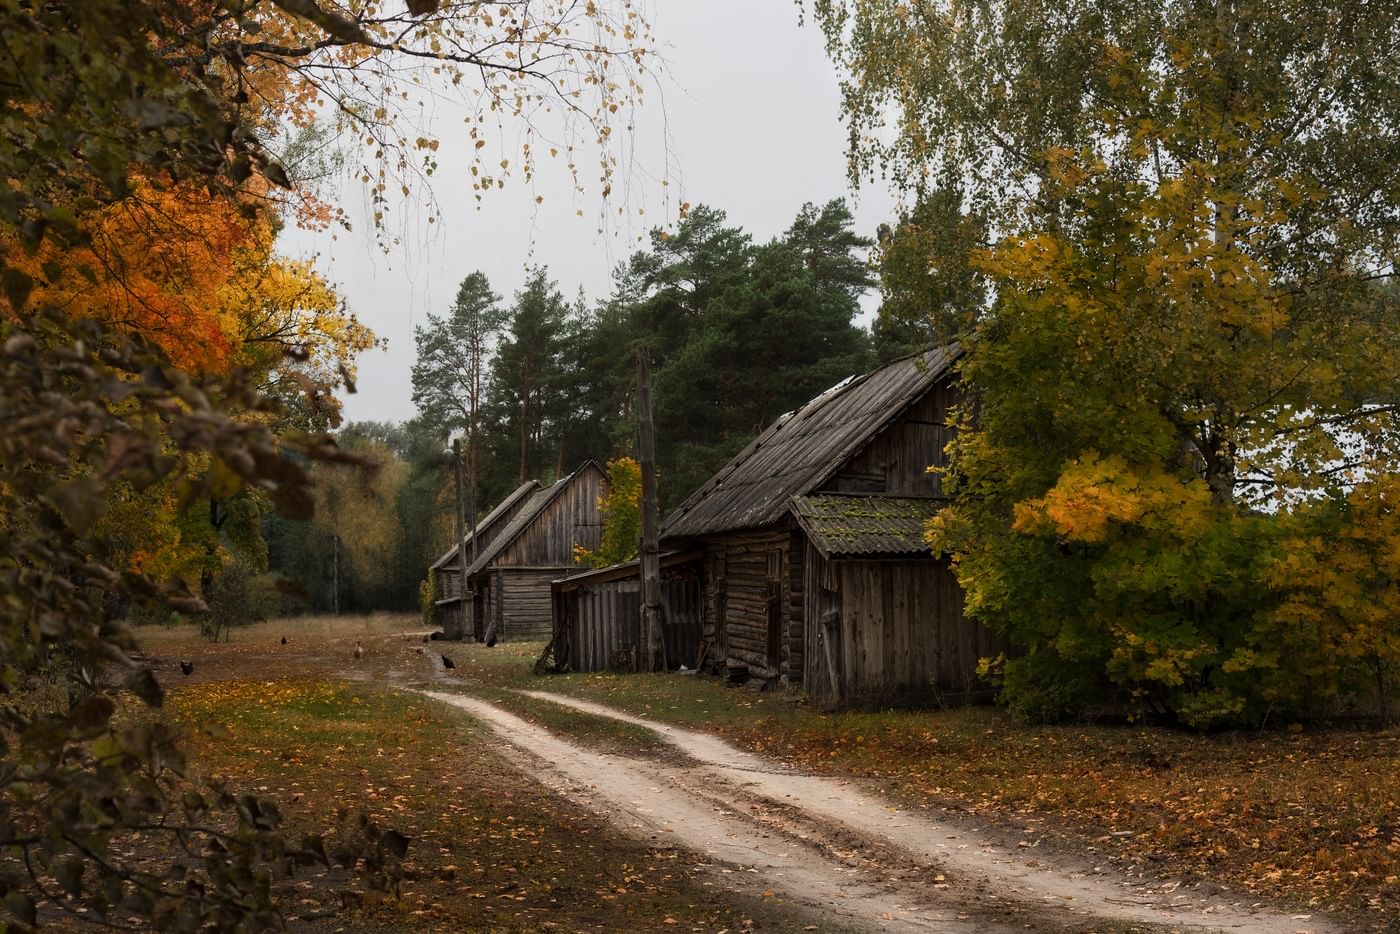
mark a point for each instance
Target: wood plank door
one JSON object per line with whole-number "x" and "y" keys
{"x": 774, "y": 588}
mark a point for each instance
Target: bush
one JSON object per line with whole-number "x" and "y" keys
{"x": 1045, "y": 688}
{"x": 427, "y": 602}
{"x": 241, "y": 595}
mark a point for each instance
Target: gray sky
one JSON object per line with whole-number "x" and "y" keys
{"x": 750, "y": 105}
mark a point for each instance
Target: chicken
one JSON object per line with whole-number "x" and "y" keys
{"x": 448, "y": 663}
{"x": 187, "y": 667}
{"x": 359, "y": 650}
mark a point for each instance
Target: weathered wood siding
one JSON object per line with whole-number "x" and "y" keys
{"x": 450, "y": 616}
{"x": 896, "y": 461}
{"x": 902, "y": 633}
{"x": 823, "y": 674}
{"x": 449, "y": 583}
{"x": 570, "y": 519}
{"x": 750, "y": 576}
{"x": 605, "y": 622}
{"x": 525, "y": 612}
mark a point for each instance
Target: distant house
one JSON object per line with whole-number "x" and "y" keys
{"x": 809, "y": 546}
{"x": 512, "y": 572}
{"x": 448, "y": 569}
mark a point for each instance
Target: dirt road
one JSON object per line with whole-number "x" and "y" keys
{"x": 829, "y": 846}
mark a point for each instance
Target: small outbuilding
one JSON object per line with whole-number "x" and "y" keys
{"x": 511, "y": 575}
{"x": 448, "y": 569}
{"x": 598, "y": 615}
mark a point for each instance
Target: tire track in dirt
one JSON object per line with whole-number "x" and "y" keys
{"x": 669, "y": 805}
{"x": 816, "y": 807}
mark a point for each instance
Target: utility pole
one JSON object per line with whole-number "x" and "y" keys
{"x": 453, "y": 629}
{"x": 654, "y": 654}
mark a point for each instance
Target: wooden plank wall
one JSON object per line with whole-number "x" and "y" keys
{"x": 822, "y": 659}
{"x": 570, "y": 519}
{"x": 449, "y": 583}
{"x": 606, "y": 618}
{"x": 896, "y": 461}
{"x": 525, "y": 602}
{"x": 904, "y": 633}
{"x": 452, "y": 617}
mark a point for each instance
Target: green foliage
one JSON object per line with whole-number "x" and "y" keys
{"x": 241, "y": 595}
{"x": 529, "y": 381}
{"x": 1186, "y": 352}
{"x": 932, "y": 292}
{"x": 87, "y": 410}
{"x": 427, "y": 601}
{"x": 621, "y": 511}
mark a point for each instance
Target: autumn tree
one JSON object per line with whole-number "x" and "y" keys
{"x": 139, "y": 139}
{"x": 621, "y": 512}
{"x": 1189, "y": 210}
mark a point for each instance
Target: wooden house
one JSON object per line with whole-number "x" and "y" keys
{"x": 448, "y": 569}
{"x": 512, "y": 573}
{"x": 813, "y": 565}
{"x": 597, "y": 615}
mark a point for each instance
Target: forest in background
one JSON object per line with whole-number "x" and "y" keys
{"x": 739, "y": 333}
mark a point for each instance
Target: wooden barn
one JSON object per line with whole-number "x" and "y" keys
{"x": 813, "y": 567}
{"x": 511, "y": 575}
{"x": 448, "y": 570}
{"x": 597, "y": 615}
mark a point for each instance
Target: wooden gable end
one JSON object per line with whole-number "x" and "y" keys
{"x": 570, "y": 518}
{"x": 896, "y": 460}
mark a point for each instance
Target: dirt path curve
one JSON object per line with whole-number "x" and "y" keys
{"x": 831, "y": 848}
{"x": 649, "y": 800}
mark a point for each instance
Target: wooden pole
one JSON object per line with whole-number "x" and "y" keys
{"x": 654, "y": 654}
{"x": 453, "y": 629}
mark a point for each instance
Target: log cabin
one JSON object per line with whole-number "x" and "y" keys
{"x": 812, "y": 567}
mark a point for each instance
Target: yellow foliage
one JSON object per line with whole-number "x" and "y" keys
{"x": 1094, "y": 493}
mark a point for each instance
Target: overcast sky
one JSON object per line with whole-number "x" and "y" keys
{"x": 750, "y": 103}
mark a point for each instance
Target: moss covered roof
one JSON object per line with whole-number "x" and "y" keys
{"x": 844, "y": 525}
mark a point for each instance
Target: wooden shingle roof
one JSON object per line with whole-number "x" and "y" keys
{"x": 852, "y": 525}
{"x": 801, "y": 451}
{"x": 484, "y": 528}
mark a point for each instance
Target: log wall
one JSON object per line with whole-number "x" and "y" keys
{"x": 524, "y": 602}
{"x": 736, "y": 600}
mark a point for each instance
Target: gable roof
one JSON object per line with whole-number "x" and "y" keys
{"x": 843, "y": 525}
{"x": 800, "y": 451}
{"x": 484, "y": 526}
{"x": 533, "y": 507}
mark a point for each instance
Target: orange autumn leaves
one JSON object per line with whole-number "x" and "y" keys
{"x": 180, "y": 267}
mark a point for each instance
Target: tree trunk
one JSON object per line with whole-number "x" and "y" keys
{"x": 335, "y": 573}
